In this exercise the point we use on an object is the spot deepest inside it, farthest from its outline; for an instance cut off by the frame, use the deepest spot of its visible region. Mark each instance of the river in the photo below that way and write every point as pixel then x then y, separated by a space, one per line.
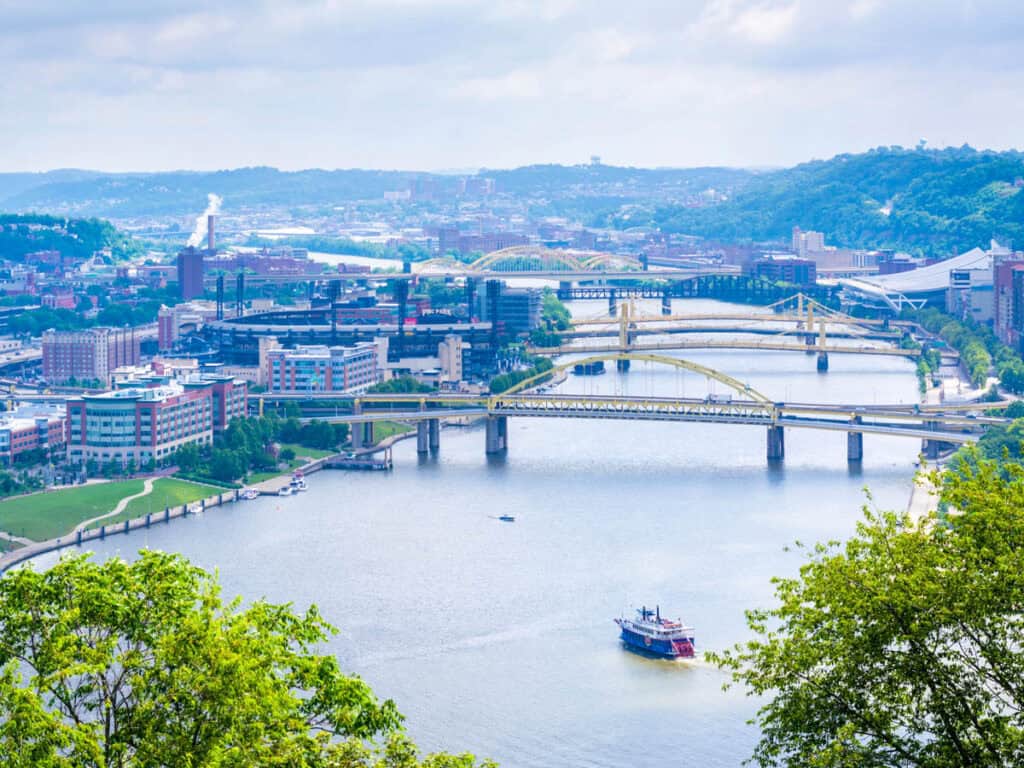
pixel 497 637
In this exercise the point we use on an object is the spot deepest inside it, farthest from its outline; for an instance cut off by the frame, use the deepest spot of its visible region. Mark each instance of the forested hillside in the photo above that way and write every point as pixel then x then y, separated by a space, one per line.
pixel 76 238
pixel 932 202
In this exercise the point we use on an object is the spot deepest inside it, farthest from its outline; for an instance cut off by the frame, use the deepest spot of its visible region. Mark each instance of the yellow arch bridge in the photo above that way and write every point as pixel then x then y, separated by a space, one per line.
pixel 744 406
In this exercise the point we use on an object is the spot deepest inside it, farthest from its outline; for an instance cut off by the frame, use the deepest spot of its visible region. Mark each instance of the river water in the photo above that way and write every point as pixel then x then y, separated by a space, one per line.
pixel 498 637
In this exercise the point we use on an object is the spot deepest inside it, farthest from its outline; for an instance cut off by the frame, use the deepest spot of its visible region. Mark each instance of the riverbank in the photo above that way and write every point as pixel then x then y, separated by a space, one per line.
pixel 127 515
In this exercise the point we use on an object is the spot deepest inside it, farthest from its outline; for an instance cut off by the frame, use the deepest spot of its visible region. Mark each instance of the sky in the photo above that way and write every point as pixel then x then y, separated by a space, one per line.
pixel 124 85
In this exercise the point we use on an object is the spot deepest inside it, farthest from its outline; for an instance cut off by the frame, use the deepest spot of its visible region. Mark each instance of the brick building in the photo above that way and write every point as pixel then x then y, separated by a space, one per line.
pixel 151 420
pixel 87 354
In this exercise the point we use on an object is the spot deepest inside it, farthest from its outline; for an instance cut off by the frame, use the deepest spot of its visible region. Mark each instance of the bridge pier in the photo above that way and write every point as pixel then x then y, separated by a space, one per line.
pixel 356 429
pixel 932 448
pixel 776 444
pixel 823 362
pixel 422 437
pixel 497 434
pixel 855 444
pixel 612 306
pixel 434 432
pixel 666 301
pixel 622 366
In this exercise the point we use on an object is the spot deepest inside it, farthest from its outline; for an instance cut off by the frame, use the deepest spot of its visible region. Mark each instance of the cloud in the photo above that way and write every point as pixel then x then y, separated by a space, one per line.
pixel 453 83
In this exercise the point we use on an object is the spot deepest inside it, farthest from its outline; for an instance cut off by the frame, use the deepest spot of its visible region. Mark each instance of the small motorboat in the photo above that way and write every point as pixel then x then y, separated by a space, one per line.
pixel 286 491
pixel 507 518
pixel 250 493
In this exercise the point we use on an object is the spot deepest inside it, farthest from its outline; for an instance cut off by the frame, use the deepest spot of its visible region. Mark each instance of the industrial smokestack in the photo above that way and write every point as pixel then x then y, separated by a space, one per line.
pixel 209 233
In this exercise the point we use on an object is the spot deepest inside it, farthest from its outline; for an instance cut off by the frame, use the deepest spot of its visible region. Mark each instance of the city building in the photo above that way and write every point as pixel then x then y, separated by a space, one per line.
pixel 449 355
pixel 320 368
pixel 787 269
pixel 87 355
pixel 518 309
pixel 190 273
pixel 29 428
pixel 182 319
pixel 808 242
pixel 970 294
pixel 150 420
pixel 1005 310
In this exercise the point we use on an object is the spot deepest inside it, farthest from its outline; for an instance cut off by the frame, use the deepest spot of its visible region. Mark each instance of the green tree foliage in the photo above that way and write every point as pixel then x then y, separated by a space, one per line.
pixel 400 385
pixel 505 381
pixel 125 665
pixel 554 313
pixel 978 347
pixel 187 457
pixel 900 647
pixel 926 202
pixel 75 238
pixel 38 320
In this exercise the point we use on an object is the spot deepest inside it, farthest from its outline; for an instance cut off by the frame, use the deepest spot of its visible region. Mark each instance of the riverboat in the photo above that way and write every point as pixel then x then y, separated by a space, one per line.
pixel 250 493
pixel 650 633
pixel 298 483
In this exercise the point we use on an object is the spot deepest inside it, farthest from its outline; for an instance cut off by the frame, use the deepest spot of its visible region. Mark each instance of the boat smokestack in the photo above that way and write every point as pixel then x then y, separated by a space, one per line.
pixel 210 246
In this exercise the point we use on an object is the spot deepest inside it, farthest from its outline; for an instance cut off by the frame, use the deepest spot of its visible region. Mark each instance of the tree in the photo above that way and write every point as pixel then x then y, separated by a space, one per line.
pixel 124 665
pixel 901 647
pixel 226 465
pixel 188 457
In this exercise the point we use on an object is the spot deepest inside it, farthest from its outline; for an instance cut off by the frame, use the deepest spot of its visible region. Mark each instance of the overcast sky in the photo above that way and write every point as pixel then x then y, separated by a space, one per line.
pixel 453 84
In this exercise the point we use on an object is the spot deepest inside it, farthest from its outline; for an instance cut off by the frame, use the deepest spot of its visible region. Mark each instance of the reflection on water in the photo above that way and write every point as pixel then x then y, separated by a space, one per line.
pixel 498 637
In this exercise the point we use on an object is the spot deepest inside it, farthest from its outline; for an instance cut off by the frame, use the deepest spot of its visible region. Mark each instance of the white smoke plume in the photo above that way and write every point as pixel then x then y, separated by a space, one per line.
pixel 212 207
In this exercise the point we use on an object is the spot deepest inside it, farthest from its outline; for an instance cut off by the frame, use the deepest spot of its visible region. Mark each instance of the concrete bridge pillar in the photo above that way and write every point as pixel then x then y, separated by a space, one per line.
pixel 367 433
pixel 822 362
pixel 434 431
pixel 497 434
pixel 855 443
pixel 931 448
pixel 612 305
pixel 622 365
pixel 776 444
pixel 666 301
pixel 356 429
pixel 422 437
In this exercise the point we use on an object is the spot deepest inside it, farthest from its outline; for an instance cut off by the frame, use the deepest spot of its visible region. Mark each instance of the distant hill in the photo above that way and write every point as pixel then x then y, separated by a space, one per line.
pixel 931 202
pixel 84 193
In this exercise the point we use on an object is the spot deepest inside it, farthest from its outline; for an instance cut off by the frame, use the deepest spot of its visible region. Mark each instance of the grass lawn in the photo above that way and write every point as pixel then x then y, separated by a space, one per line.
pixel 311 453
pixel 46 515
pixel 167 492
pixel 382 430
pixel 7 545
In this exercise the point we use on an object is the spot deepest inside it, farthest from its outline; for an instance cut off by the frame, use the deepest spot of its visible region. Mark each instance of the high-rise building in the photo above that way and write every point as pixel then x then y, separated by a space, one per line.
pixel 808 242
pixel 190 273
pixel 87 355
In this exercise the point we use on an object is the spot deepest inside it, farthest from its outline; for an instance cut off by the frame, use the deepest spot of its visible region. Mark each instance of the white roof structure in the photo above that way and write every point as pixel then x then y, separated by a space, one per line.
pixel 900 289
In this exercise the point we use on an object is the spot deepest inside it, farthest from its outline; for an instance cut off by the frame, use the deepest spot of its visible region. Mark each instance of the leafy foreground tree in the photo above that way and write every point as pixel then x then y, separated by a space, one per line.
pixel 902 647
pixel 124 665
